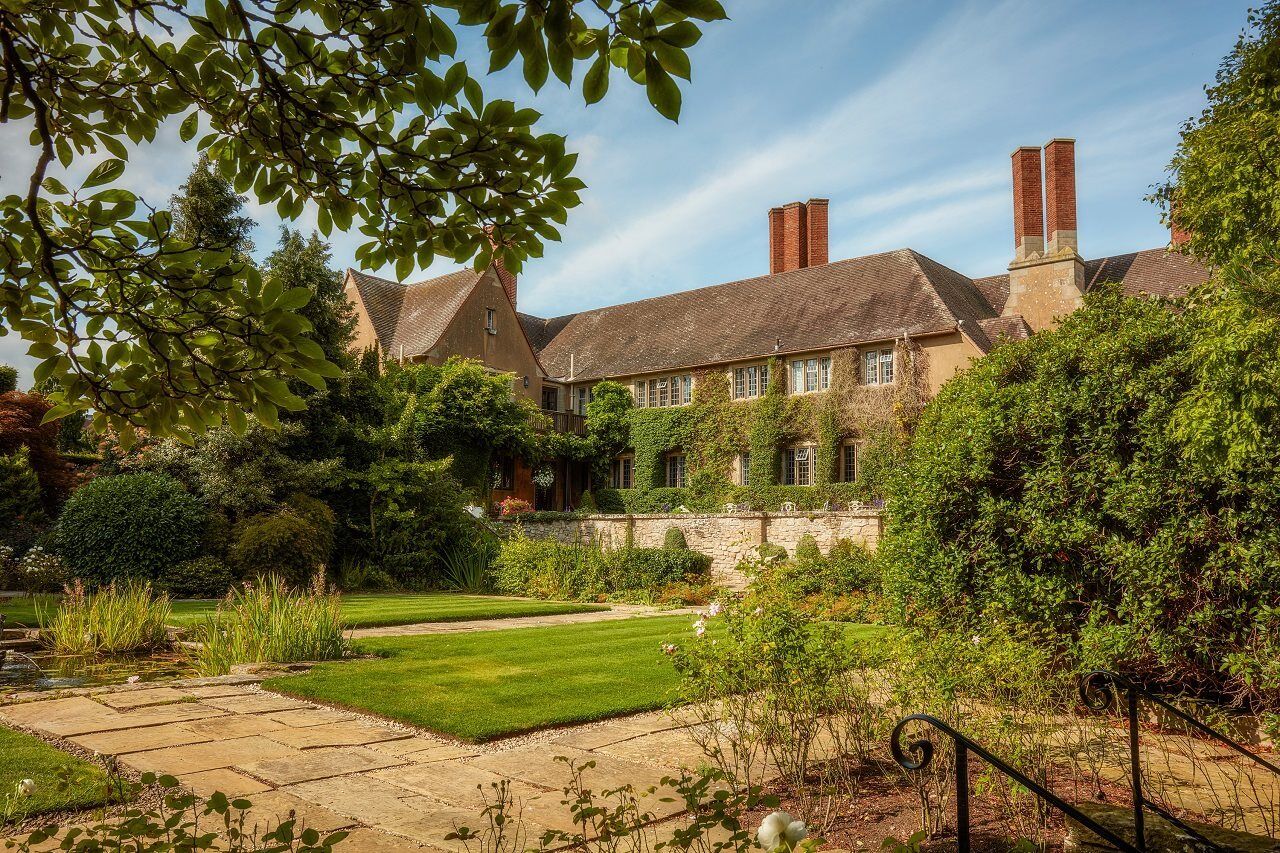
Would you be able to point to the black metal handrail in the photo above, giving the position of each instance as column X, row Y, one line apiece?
column 1098, row 691
column 922, row 751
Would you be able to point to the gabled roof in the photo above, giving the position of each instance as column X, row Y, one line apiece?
column 413, row 316
column 1151, row 272
column 871, row 298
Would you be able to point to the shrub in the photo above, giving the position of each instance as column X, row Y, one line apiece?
column 807, row 550
column 22, row 512
column 587, row 503
column 203, row 577
column 116, row 619
column 363, row 576
column 39, row 571
column 513, row 506
column 1044, row 486
column 21, row 425
column 466, row 567
column 129, row 526
column 674, row 540
column 545, row 568
column 283, row 544
column 270, row 622
column 8, row 379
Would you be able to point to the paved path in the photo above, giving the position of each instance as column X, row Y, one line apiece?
column 394, row 788
column 615, row 612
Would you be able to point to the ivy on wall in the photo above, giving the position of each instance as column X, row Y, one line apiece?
column 714, row 428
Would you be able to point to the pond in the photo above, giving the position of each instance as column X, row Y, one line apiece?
column 43, row 671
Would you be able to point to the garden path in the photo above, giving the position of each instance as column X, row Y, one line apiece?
column 395, row 788
column 615, row 612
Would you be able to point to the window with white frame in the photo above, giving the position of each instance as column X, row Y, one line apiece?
column 664, row 391
column 675, row 470
column 810, row 374
column 581, row 396
column 744, row 469
column 848, row 462
column 797, row 466
column 877, row 367
column 749, row 382
column 620, row 473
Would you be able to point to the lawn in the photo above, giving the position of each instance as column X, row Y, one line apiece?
column 25, row 757
column 486, row 685
column 361, row 611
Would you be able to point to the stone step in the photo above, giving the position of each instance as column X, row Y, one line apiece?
column 25, row 644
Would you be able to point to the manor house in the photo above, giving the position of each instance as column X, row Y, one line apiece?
column 885, row 308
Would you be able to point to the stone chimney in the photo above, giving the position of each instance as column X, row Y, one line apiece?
column 1046, row 282
column 508, row 279
column 798, row 235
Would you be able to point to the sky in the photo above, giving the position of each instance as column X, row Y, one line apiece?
column 902, row 114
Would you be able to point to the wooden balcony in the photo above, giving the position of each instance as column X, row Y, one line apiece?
column 544, row 420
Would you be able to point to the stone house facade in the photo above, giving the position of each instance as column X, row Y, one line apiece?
column 883, row 308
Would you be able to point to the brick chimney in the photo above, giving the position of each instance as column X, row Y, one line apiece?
column 1178, row 236
column 1060, row 195
column 1028, row 216
column 1045, row 282
column 798, row 235
column 508, row 279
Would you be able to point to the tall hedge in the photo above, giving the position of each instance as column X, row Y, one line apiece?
column 129, row 526
column 1043, row 487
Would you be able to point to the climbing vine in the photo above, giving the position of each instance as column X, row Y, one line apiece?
column 768, row 428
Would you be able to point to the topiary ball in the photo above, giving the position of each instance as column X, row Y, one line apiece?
column 128, row 527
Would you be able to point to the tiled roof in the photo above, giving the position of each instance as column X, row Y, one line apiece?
column 1151, row 272
column 413, row 315
column 1000, row 329
column 540, row 332
column 871, row 298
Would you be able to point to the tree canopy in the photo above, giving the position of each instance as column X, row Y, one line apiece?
column 356, row 108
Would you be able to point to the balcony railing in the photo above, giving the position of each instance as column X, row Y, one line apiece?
column 544, row 420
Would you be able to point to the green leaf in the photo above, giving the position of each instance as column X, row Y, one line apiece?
column 703, row 10
column 106, row 172
column 684, row 34
column 596, row 83
column 190, row 125
column 663, row 92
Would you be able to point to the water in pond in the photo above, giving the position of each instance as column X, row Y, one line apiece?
column 42, row 671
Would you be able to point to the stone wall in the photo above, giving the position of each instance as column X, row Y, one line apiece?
column 727, row 538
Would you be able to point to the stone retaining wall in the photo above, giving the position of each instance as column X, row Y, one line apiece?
column 727, row 538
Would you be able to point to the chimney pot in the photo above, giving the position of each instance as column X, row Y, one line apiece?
column 1060, row 194
column 1028, row 208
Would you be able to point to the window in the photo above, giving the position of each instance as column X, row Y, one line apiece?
column 504, row 473
column 582, row 396
column 797, row 466
column 750, row 381
column 550, row 398
column 878, row 367
column 491, row 321
column 809, row 375
column 620, row 473
column 675, row 471
column 848, row 462
column 744, row 469
column 664, row 391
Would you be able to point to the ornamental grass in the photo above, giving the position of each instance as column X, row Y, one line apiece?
column 117, row 619
column 269, row 622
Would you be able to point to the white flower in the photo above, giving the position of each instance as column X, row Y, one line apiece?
column 700, row 627
column 714, row 609
column 133, row 679
column 780, row 830
column 669, row 648
column 977, row 640
column 27, row 787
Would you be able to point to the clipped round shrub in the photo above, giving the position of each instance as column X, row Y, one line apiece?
column 282, row 543
column 587, row 503
column 203, row 577
column 807, row 550
column 128, row 526
column 674, row 540
column 771, row 552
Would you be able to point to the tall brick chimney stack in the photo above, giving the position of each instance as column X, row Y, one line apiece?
column 1060, row 195
column 508, row 279
column 1178, row 236
column 798, row 235
column 1028, row 211
column 1045, row 282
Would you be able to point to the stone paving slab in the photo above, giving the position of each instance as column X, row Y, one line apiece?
column 420, row 749
column 125, row 741
column 140, row 698
column 303, row 717
column 233, row 784
column 349, row 733
column 256, row 703
column 294, row 765
column 192, row 758
column 81, row 715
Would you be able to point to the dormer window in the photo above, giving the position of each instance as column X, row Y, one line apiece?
column 491, row 321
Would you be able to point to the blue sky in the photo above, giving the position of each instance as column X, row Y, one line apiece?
column 903, row 114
